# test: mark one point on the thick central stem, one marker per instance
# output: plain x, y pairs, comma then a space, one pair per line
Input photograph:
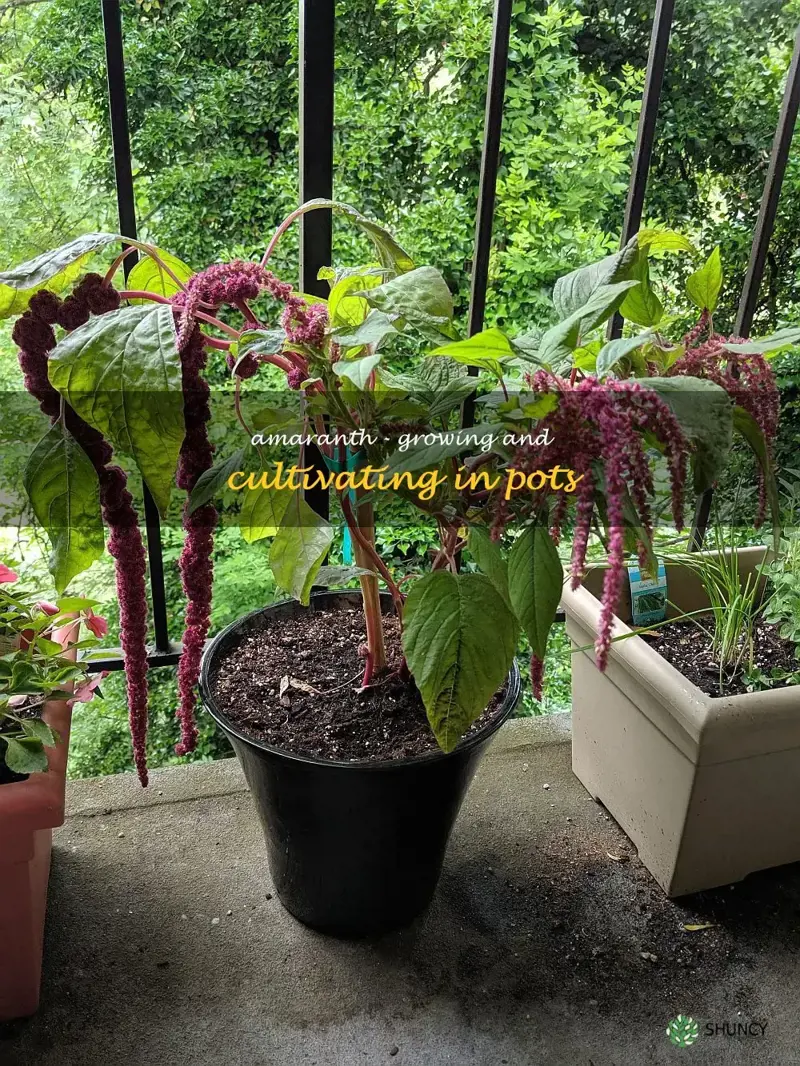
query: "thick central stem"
369, 590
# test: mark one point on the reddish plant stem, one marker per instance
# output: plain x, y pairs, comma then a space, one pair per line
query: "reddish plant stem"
279, 232
213, 342
117, 264
244, 307
377, 563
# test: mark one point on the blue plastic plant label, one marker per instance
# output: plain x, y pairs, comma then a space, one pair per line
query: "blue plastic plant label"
648, 596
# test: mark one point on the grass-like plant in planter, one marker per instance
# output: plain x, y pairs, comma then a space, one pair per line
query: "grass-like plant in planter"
40, 680
356, 794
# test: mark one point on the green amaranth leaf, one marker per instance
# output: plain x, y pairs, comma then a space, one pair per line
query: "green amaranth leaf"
357, 370
489, 559
459, 638
704, 285
641, 305
420, 297
299, 548
53, 270
771, 345
704, 412
211, 482
121, 373
373, 330
64, 491
535, 580
485, 350
150, 276
558, 343
262, 511
574, 290
613, 351
391, 254
340, 575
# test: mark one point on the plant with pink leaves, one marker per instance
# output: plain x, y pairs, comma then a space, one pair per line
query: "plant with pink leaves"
35, 669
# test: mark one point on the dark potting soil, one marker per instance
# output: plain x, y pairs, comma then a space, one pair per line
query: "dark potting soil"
686, 647
296, 684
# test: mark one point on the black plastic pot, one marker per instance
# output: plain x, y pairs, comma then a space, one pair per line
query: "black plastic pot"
355, 848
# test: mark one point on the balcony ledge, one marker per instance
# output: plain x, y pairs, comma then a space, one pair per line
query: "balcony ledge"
165, 943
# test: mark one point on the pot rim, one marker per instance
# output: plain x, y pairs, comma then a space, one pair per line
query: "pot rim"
510, 700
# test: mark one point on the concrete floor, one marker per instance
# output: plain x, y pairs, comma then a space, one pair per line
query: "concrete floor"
165, 946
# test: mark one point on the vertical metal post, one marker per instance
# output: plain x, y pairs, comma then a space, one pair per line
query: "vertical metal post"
771, 195
487, 188
123, 176
645, 135
762, 235
317, 30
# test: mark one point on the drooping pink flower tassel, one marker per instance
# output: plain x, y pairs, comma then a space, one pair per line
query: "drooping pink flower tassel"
537, 676
35, 338
196, 563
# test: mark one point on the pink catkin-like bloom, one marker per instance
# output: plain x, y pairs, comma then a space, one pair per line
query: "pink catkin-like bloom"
35, 338
599, 427
748, 379
225, 283
304, 324
7, 575
196, 565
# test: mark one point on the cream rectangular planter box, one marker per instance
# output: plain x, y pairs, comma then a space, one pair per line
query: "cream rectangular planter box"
707, 789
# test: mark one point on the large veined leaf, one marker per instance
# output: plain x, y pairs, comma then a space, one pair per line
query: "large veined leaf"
746, 425
299, 548
53, 270
484, 350
121, 373
346, 309
769, 346
573, 290
664, 240
357, 370
390, 253
489, 559
459, 638
262, 512
704, 285
641, 305
559, 342
613, 351
150, 276
373, 330
535, 580
211, 482
420, 297
64, 491
704, 411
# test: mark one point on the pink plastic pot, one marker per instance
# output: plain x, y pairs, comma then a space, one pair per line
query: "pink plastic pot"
29, 811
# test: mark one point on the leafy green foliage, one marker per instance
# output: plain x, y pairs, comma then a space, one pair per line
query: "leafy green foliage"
121, 373
300, 545
459, 638
535, 579
64, 491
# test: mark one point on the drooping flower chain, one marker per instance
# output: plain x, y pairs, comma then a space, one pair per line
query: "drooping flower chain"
35, 338
601, 424
747, 378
